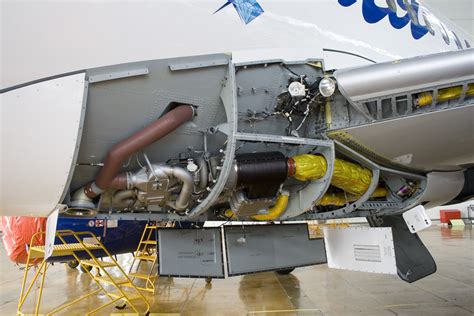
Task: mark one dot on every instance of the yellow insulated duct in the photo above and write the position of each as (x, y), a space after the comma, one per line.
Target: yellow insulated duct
(379, 192)
(336, 199)
(426, 98)
(340, 199)
(309, 167)
(350, 177)
(230, 214)
(275, 211)
(347, 176)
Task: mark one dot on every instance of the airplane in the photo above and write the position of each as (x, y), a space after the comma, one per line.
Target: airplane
(246, 110)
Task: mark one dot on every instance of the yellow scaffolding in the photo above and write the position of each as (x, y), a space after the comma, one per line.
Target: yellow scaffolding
(147, 251)
(37, 252)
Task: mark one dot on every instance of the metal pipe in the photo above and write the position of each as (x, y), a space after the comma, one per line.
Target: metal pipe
(203, 173)
(182, 201)
(119, 182)
(124, 197)
(145, 137)
(158, 172)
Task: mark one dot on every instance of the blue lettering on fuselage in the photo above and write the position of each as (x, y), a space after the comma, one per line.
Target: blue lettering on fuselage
(248, 10)
(373, 13)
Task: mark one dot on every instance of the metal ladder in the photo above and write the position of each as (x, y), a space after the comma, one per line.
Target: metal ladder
(124, 289)
(147, 251)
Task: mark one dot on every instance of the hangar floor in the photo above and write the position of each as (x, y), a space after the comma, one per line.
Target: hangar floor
(308, 291)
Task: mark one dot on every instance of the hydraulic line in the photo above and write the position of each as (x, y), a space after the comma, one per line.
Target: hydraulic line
(327, 111)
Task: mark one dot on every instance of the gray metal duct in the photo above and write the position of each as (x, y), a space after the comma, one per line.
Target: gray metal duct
(144, 181)
(404, 75)
(182, 201)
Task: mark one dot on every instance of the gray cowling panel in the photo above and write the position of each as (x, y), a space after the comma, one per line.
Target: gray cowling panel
(190, 253)
(118, 108)
(271, 248)
(383, 79)
(435, 140)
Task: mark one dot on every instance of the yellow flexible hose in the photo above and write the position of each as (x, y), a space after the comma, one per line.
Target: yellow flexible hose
(340, 199)
(350, 177)
(230, 214)
(426, 98)
(275, 211)
(309, 167)
(347, 176)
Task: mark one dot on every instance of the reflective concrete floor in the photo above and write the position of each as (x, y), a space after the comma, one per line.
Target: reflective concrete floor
(308, 291)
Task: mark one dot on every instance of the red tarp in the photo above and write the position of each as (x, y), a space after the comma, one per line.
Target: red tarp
(17, 233)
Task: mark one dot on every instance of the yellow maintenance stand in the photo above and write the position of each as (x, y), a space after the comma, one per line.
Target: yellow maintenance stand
(123, 288)
(147, 252)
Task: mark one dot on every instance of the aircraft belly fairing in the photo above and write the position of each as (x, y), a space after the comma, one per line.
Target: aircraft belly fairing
(203, 138)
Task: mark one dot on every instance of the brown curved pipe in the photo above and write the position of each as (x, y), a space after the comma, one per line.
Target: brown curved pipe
(141, 139)
(119, 182)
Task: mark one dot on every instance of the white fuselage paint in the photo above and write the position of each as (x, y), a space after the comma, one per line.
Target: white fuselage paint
(40, 134)
(45, 38)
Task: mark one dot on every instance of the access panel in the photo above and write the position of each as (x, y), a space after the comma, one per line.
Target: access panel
(259, 248)
(190, 253)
